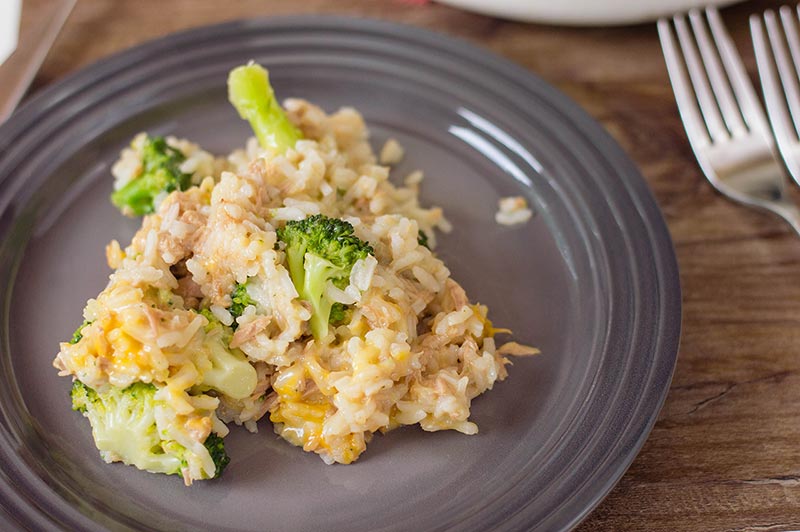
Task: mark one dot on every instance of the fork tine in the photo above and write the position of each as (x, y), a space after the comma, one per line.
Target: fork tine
(773, 93)
(682, 87)
(786, 71)
(705, 98)
(742, 87)
(792, 38)
(790, 33)
(717, 77)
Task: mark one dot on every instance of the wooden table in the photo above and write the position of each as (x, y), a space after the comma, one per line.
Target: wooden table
(725, 453)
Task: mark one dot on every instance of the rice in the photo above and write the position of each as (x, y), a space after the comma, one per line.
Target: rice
(391, 153)
(414, 351)
(414, 178)
(513, 210)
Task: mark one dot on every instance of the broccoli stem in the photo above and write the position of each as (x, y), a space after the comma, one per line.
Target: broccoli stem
(251, 94)
(317, 273)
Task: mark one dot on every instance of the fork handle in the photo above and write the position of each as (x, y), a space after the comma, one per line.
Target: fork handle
(789, 212)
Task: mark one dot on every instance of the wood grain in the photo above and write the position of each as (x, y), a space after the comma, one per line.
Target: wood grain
(724, 454)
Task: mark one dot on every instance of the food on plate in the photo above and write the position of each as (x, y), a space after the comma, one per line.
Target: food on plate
(391, 153)
(290, 280)
(125, 429)
(152, 167)
(513, 210)
(159, 174)
(413, 179)
(322, 251)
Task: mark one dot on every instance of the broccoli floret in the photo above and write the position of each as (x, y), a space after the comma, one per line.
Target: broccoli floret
(216, 448)
(160, 173)
(251, 94)
(81, 395)
(78, 334)
(124, 429)
(422, 239)
(321, 249)
(212, 320)
(340, 313)
(240, 299)
(229, 371)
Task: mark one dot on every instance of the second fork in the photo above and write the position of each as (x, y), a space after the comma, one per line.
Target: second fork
(723, 118)
(778, 69)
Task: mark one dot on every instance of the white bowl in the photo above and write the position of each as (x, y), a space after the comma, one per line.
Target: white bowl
(9, 27)
(582, 12)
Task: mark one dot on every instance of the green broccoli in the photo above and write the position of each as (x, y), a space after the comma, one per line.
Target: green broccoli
(216, 448)
(160, 173)
(340, 313)
(212, 320)
(124, 429)
(78, 334)
(251, 94)
(240, 299)
(321, 249)
(422, 239)
(229, 371)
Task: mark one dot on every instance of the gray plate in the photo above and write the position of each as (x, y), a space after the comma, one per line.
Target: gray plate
(592, 280)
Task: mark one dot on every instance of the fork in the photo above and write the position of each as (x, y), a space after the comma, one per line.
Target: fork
(778, 72)
(724, 120)
(39, 28)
